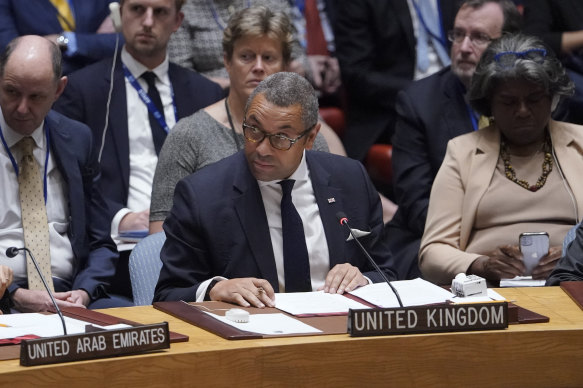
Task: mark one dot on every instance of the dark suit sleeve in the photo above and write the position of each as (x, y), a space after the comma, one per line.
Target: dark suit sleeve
(368, 41)
(90, 234)
(97, 46)
(570, 266)
(413, 175)
(185, 257)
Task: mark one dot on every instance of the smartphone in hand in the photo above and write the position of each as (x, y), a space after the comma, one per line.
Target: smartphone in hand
(533, 246)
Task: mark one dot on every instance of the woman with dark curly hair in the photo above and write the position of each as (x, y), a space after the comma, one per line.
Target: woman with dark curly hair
(520, 174)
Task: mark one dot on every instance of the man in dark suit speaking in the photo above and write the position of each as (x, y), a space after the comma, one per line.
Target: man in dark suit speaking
(264, 219)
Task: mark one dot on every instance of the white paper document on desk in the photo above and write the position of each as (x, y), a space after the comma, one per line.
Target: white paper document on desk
(42, 325)
(522, 281)
(315, 303)
(275, 324)
(416, 292)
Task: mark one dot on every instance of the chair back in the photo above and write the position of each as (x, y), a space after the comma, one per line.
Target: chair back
(569, 237)
(145, 264)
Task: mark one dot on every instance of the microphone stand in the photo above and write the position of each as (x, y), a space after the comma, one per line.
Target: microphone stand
(11, 252)
(344, 221)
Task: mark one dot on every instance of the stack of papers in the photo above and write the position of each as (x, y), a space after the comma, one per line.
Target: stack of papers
(271, 324)
(42, 325)
(416, 292)
(317, 303)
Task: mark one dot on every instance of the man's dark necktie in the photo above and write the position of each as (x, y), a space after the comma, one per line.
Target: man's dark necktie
(295, 253)
(158, 133)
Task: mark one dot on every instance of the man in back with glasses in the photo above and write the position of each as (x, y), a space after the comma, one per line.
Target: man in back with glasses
(265, 219)
(432, 111)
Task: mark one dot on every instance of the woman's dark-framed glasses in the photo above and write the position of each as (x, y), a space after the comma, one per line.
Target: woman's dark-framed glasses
(277, 140)
(508, 59)
(477, 38)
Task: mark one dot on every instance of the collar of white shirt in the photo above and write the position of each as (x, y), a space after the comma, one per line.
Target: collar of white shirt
(137, 69)
(300, 174)
(12, 137)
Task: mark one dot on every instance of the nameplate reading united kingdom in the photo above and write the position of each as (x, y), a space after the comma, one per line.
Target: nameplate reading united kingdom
(99, 344)
(428, 319)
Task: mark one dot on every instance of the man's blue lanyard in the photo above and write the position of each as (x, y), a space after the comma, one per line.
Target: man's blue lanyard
(15, 165)
(148, 101)
(442, 39)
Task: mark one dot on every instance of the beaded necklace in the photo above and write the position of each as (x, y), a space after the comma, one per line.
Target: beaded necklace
(547, 166)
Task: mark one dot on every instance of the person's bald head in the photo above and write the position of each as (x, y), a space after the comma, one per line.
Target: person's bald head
(30, 81)
(33, 47)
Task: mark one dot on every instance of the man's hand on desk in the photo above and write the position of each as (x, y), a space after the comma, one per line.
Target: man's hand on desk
(245, 292)
(343, 277)
(27, 301)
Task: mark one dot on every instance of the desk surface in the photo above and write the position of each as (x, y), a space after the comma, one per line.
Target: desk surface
(534, 355)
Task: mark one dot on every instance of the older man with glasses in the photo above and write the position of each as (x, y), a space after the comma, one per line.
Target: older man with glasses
(430, 113)
(265, 219)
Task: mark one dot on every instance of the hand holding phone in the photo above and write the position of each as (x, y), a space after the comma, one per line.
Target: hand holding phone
(533, 246)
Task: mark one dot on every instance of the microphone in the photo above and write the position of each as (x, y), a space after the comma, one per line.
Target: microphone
(13, 251)
(344, 221)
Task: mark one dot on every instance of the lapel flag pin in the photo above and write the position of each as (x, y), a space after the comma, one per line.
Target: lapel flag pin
(331, 200)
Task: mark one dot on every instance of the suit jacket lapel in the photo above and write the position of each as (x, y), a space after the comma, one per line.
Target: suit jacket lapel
(67, 163)
(118, 122)
(457, 121)
(329, 200)
(249, 207)
(568, 152)
(480, 172)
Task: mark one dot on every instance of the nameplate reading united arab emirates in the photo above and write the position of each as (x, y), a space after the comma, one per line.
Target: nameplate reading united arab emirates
(428, 319)
(98, 344)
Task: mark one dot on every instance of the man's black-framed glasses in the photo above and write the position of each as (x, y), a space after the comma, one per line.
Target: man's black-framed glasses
(277, 140)
(507, 59)
(477, 38)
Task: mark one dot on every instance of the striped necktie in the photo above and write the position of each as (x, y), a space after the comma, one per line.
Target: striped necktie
(65, 14)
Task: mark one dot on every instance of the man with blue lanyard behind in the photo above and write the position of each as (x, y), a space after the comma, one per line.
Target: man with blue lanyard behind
(432, 111)
(49, 202)
(149, 96)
